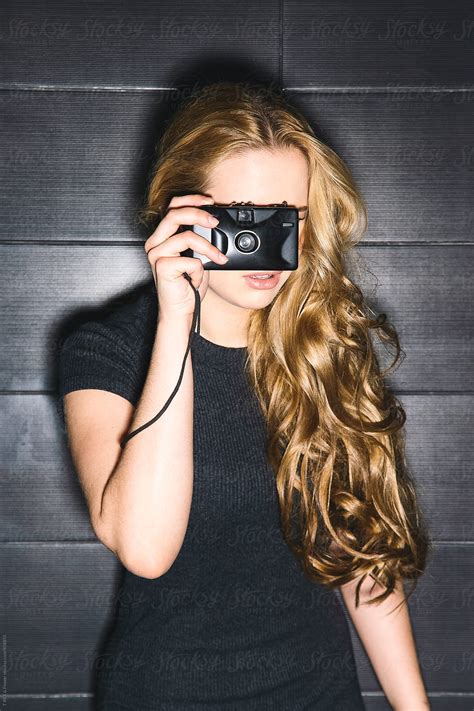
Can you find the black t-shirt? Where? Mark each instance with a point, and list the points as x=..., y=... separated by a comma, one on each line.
x=234, y=623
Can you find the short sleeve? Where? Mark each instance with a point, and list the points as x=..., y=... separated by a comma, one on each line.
x=110, y=354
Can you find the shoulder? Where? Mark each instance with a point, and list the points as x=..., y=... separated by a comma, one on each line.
x=130, y=320
x=112, y=350
x=126, y=322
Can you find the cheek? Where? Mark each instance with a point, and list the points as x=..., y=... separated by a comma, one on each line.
x=225, y=283
x=283, y=278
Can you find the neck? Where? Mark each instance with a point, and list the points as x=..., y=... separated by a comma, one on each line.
x=222, y=322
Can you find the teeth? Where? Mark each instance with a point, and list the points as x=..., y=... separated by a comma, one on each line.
x=262, y=276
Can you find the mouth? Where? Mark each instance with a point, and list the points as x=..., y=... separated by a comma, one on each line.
x=262, y=280
x=261, y=274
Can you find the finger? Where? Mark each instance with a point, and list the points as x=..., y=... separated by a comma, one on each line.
x=183, y=240
x=173, y=219
x=174, y=267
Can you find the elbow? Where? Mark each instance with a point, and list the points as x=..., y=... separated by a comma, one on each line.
x=145, y=566
x=137, y=563
x=140, y=559
x=141, y=567
x=134, y=552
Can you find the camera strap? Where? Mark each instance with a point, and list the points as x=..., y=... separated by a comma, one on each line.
x=195, y=327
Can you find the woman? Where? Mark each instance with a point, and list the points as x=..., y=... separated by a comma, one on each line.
x=277, y=473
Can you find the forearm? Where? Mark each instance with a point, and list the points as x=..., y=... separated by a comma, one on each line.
x=389, y=643
x=147, y=499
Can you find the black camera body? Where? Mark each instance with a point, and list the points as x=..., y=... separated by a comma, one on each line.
x=251, y=237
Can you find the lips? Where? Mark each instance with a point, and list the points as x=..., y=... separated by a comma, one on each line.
x=260, y=274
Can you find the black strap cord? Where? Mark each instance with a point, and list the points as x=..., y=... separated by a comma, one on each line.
x=195, y=327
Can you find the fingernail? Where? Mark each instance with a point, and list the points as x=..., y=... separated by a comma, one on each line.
x=223, y=258
x=213, y=220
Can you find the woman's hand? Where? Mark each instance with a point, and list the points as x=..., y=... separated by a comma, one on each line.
x=175, y=295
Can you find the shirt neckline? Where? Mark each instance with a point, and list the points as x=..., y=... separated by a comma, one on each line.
x=207, y=352
x=215, y=355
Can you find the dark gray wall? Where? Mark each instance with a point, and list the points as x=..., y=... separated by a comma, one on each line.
x=85, y=89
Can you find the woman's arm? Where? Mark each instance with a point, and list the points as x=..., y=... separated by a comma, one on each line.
x=146, y=500
x=389, y=643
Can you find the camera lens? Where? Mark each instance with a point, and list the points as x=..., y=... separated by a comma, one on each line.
x=246, y=242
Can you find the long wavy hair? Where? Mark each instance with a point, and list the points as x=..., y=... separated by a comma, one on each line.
x=335, y=431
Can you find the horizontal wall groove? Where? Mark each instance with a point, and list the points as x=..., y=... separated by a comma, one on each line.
x=140, y=243
x=84, y=89
x=20, y=86
x=431, y=694
x=376, y=694
x=424, y=393
x=92, y=542
x=380, y=89
x=71, y=695
x=434, y=393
